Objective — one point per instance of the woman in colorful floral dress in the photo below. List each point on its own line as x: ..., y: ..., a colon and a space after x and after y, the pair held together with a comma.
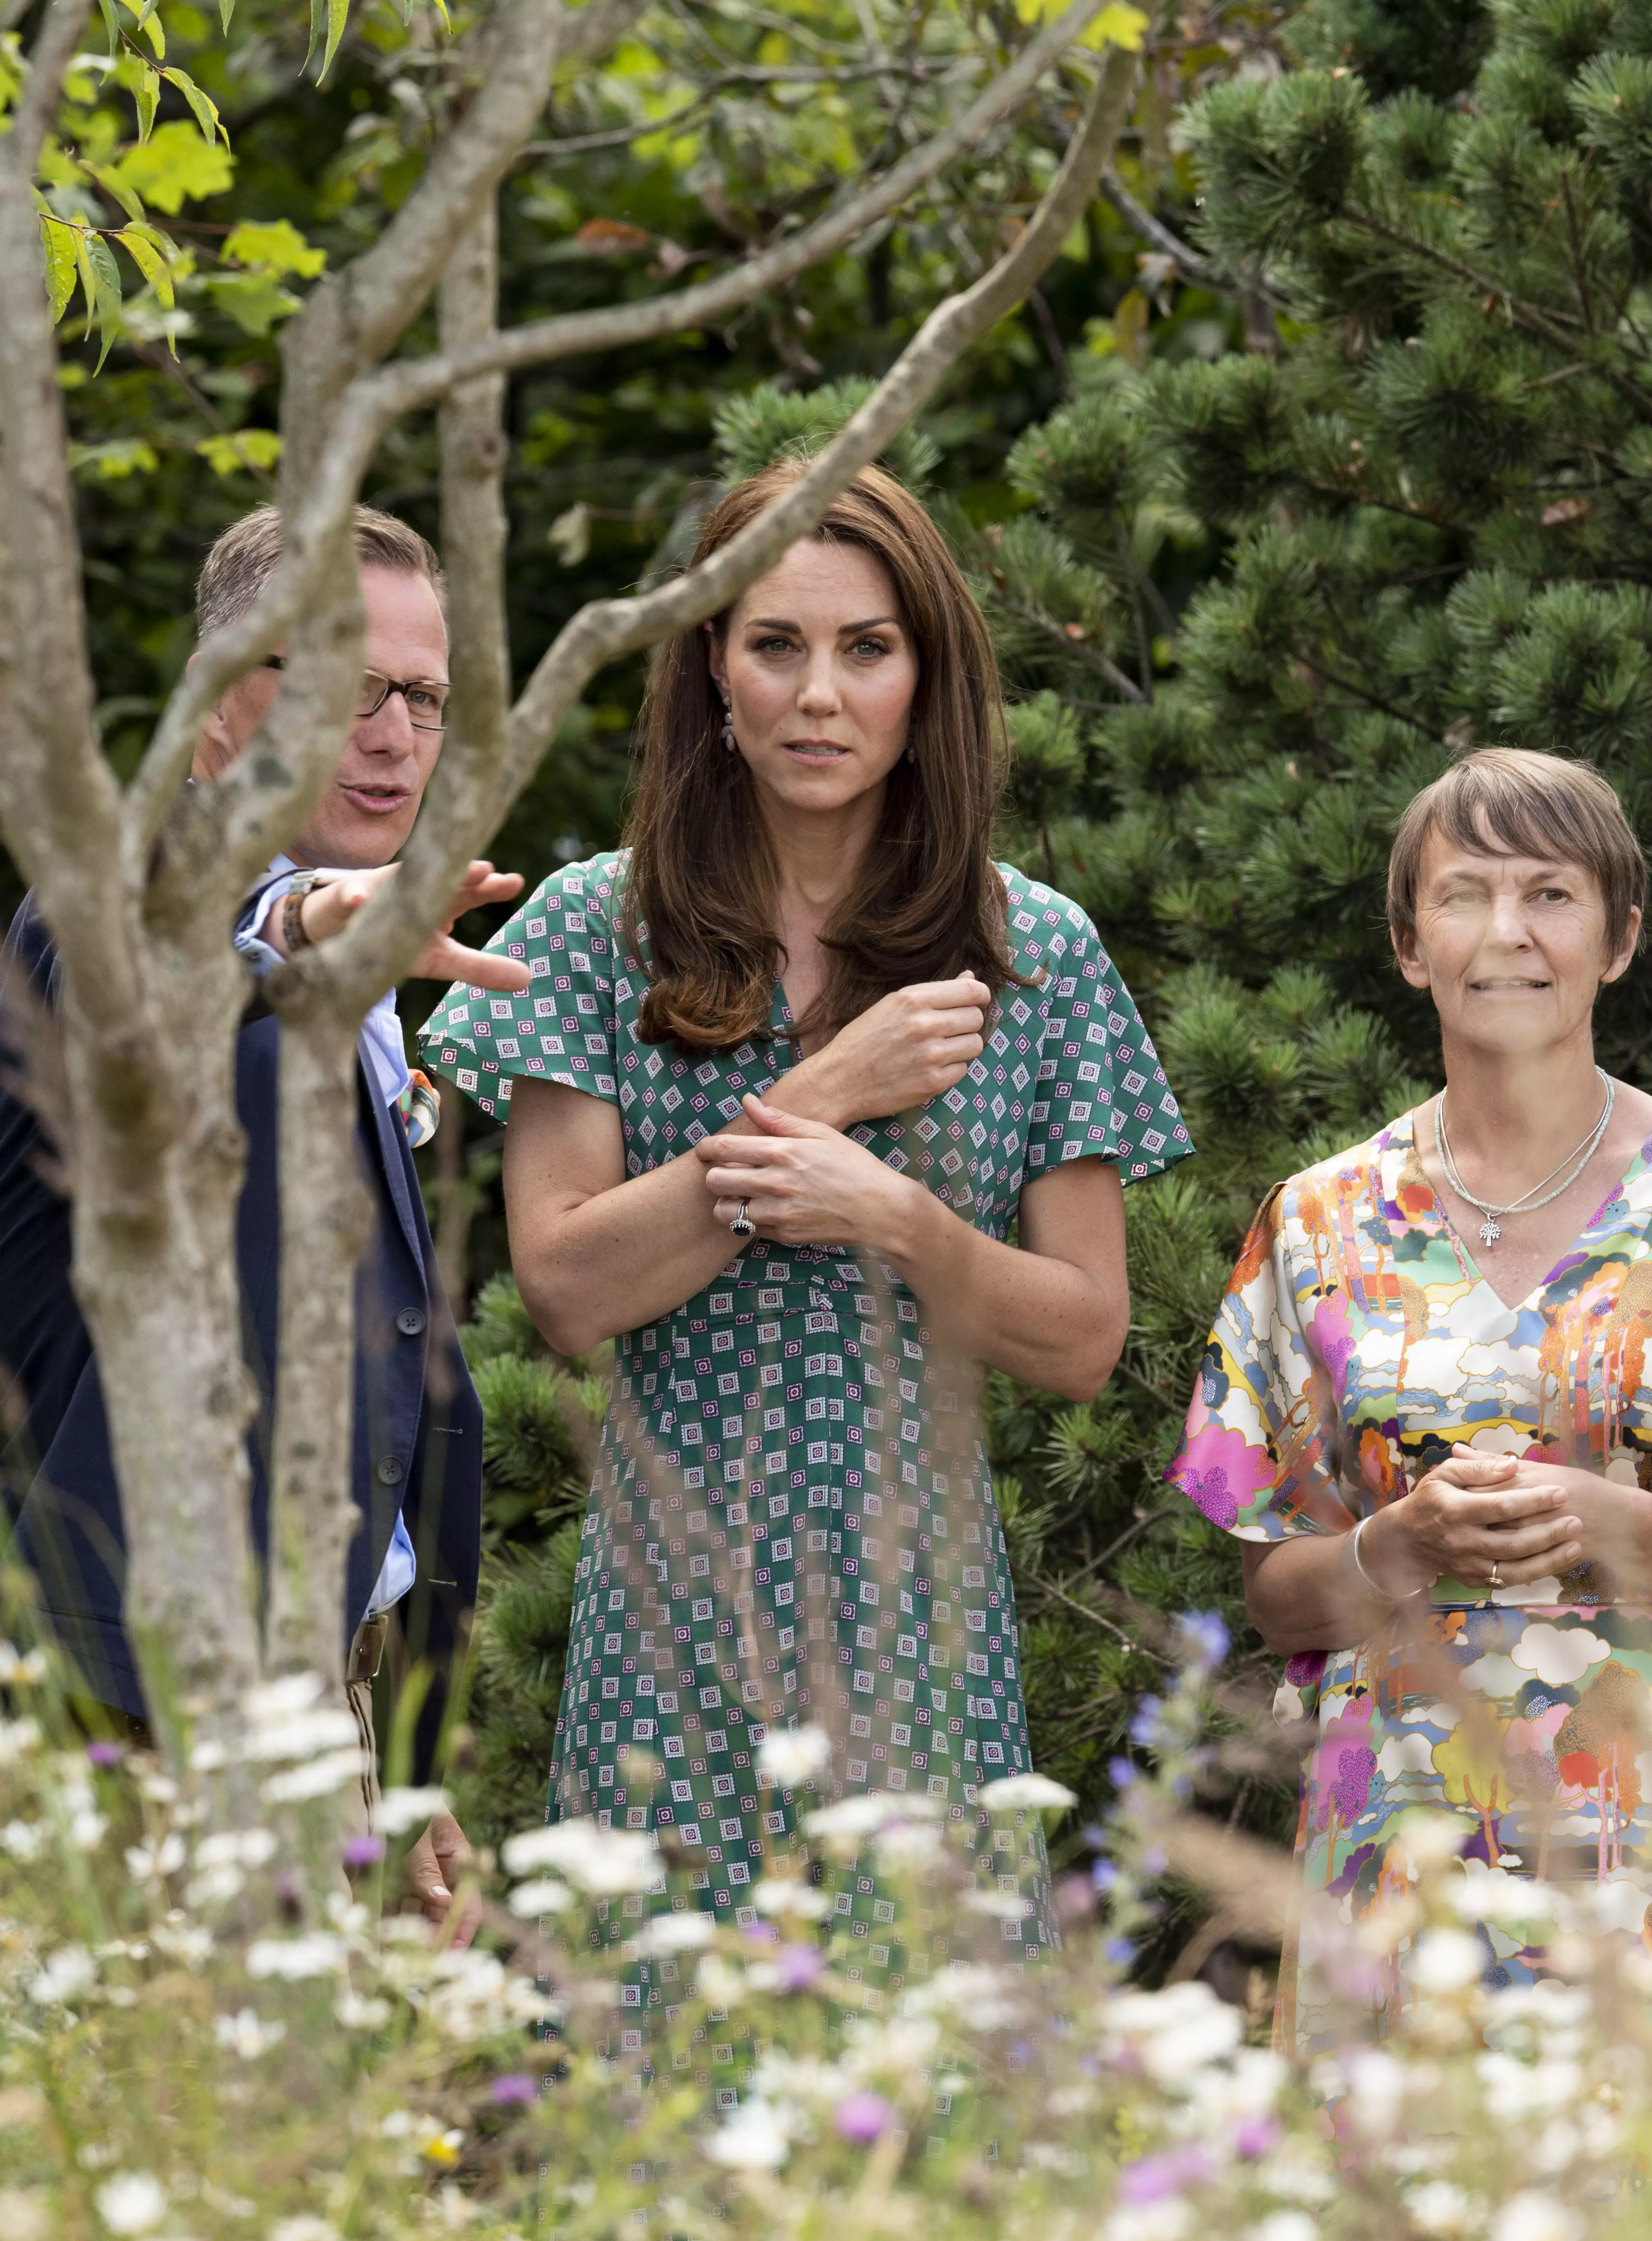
x: 1425, y: 1411
x: 790, y: 1066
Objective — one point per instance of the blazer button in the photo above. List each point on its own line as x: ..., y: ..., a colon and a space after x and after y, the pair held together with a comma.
x: 410, y: 1321
x: 391, y: 1471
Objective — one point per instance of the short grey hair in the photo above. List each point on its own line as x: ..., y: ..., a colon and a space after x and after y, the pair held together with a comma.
x: 242, y: 560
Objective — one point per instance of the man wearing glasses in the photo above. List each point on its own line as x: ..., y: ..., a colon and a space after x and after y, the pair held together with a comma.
x: 417, y: 1441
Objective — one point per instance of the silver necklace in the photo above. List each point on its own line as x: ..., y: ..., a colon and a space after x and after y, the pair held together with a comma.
x: 1528, y: 1202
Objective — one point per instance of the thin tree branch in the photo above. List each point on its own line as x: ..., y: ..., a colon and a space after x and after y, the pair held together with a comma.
x: 374, y: 402
x: 588, y: 143
x: 377, y: 947
x: 53, y: 52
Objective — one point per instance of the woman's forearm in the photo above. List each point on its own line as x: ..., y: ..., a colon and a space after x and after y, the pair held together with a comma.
x: 1038, y: 1318
x: 1305, y: 1593
x: 630, y: 1255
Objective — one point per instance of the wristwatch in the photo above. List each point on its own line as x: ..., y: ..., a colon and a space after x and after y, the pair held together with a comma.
x: 292, y: 928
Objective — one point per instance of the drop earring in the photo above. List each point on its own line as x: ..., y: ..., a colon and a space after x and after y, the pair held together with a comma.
x: 728, y: 728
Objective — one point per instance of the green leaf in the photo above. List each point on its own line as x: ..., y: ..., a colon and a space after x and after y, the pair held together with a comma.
x: 111, y: 24
x: 227, y: 8
x: 120, y: 189
x: 100, y: 284
x: 150, y: 261
x: 206, y: 115
x: 317, y: 28
x: 147, y: 97
x: 113, y: 462
x: 254, y: 300
x: 338, y: 14
x: 274, y: 245
x: 248, y: 447
x: 175, y: 165
x: 58, y: 241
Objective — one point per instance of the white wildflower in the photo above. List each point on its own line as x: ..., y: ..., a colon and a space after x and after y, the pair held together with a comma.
x: 1515, y: 2092
x: 545, y: 1897
x: 158, y: 1789
x: 1446, y: 1961
x: 24, y: 2214
x: 303, y: 2228
x: 1478, y: 1893
x: 286, y: 1719
x: 209, y: 1756
x: 984, y: 1999
x: 1437, y: 2206
x: 87, y: 1828
x: 1018, y: 1793
x: 1149, y: 2221
x: 718, y: 1984
x: 148, y: 1862
x: 357, y: 2012
x: 400, y: 1809
x: 755, y: 2137
x: 23, y: 1839
x: 603, y: 1862
x: 908, y: 1845
x: 1285, y: 2226
x: 675, y: 1933
x: 239, y: 1848
x: 318, y: 1953
x: 67, y: 1973
x: 247, y: 2035
x: 783, y: 1895
x: 20, y: 1670
x: 872, y: 1810
x: 185, y: 1941
x: 215, y: 1887
x: 1172, y: 2032
x: 133, y: 2202
x: 790, y: 1756
x: 1295, y: 2174
x: 1002, y: 1906
x: 17, y: 1738
x: 1538, y: 2216
x: 320, y: 1776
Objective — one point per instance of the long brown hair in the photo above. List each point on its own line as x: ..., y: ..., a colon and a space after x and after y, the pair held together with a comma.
x: 927, y: 904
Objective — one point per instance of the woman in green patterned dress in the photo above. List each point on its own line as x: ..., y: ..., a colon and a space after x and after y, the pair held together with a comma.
x: 788, y: 1068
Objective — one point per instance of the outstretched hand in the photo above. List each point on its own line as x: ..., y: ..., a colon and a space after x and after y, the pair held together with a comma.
x: 337, y: 897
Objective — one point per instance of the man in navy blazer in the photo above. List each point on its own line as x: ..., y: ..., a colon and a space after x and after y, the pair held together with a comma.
x: 417, y: 1467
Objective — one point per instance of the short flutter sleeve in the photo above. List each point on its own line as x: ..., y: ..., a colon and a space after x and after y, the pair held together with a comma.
x: 1101, y: 1091
x: 562, y: 1027
x: 1259, y: 1449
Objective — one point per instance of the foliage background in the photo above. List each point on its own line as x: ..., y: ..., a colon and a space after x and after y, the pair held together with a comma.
x: 1271, y: 513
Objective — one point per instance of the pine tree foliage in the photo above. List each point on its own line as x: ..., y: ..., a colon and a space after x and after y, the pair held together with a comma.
x: 1247, y: 605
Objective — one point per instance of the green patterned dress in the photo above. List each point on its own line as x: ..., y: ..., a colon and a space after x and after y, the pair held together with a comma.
x: 793, y: 1519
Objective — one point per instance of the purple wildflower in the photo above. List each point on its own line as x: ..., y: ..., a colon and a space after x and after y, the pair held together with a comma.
x: 1254, y: 2136
x: 1205, y: 1638
x: 104, y: 1755
x: 862, y: 2117
x: 361, y: 1851
x: 1154, y: 2178
x: 1147, y: 1726
x: 796, y: 1967
x: 1120, y: 1773
x: 515, y: 2085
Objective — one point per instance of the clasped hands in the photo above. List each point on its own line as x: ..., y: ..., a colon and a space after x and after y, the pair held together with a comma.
x: 801, y: 1179
x: 1529, y: 1518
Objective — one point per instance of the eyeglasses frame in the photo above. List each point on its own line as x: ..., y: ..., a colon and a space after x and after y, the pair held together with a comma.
x: 402, y: 685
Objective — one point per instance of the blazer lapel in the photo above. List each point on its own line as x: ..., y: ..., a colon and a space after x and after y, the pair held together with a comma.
x: 397, y: 1162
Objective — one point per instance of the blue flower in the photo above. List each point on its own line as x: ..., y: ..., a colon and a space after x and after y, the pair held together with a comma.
x: 1205, y: 1638
x: 1146, y: 1727
x: 1120, y: 1773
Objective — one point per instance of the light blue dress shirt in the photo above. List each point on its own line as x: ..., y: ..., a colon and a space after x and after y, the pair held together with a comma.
x: 385, y: 1059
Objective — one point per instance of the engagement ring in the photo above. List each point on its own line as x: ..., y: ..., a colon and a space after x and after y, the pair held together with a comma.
x: 742, y: 1224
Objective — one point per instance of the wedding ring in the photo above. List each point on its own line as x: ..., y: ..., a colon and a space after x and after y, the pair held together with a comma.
x: 1495, y: 1579
x: 742, y: 1224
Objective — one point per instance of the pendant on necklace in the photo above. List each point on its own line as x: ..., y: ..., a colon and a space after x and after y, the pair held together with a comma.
x: 1489, y: 1231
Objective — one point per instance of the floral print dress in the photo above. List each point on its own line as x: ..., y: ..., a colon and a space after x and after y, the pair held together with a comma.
x: 1357, y: 1342
x: 791, y: 1519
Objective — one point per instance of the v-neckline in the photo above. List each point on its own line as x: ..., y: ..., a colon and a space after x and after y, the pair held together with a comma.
x: 1636, y: 1168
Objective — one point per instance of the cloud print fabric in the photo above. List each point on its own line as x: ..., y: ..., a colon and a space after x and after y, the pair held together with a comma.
x: 1357, y: 1342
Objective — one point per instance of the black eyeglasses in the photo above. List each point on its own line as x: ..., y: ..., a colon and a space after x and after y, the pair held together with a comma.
x: 425, y: 697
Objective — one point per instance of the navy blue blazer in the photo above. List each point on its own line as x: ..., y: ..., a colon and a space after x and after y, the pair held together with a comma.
x: 417, y: 1443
